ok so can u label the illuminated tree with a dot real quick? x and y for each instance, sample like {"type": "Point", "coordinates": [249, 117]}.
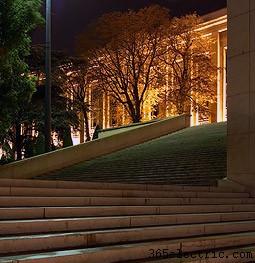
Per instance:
{"type": "Point", "coordinates": [78, 87]}
{"type": "Point", "coordinates": [190, 72]}
{"type": "Point", "coordinates": [124, 51]}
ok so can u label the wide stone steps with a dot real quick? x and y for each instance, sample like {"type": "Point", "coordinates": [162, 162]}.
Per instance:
{"type": "Point", "coordinates": [117, 236]}
{"type": "Point", "coordinates": [58, 222]}
{"type": "Point", "coordinates": [29, 191]}
{"type": "Point", "coordinates": [115, 201]}
{"type": "Point", "coordinates": [39, 226]}
{"type": "Point", "coordinates": [151, 251]}
{"type": "Point", "coordinates": [46, 184]}
{"type": "Point", "coordinates": [86, 211]}
{"type": "Point", "coordinates": [192, 156]}
{"type": "Point", "coordinates": [15, 191]}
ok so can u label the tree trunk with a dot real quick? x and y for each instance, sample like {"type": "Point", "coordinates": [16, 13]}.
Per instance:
{"type": "Point", "coordinates": [86, 119]}
{"type": "Point", "coordinates": [136, 118]}
{"type": "Point", "coordinates": [181, 104]}
{"type": "Point", "coordinates": [180, 109]}
{"type": "Point", "coordinates": [18, 144]}
{"type": "Point", "coordinates": [81, 127]}
{"type": "Point", "coordinates": [136, 113]}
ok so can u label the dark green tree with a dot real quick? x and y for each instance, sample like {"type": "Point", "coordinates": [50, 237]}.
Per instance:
{"type": "Point", "coordinates": [39, 145]}
{"type": "Point", "coordinates": [29, 147]}
{"type": "Point", "coordinates": [64, 112]}
{"type": "Point", "coordinates": [8, 155]}
{"type": "Point", "coordinates": [17, 19]}
{"type": "Point", "coordinates": [30, 114]}
{"type": "Point", "coordinates": [67, 139]}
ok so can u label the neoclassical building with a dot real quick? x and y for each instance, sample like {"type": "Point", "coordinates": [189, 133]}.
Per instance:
{"type": "Point", "coordinates": [105, 108]}
{"type": "Point", "coordinates": [216, 25]}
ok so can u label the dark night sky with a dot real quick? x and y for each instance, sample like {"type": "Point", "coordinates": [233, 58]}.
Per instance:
{"type": "Point", "coordinates": [70, 17]}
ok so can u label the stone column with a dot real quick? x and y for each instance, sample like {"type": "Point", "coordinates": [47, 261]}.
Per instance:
{"type": "Point", "coordinates": [241, 92]}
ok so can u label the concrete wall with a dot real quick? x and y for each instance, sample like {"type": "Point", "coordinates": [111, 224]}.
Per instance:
{"type": "Point", "coordinates": [65, 157]}
{"type": "Point", "coordinates": [112, 131]}
{"type": "Point", "coordinates": [241, 92]}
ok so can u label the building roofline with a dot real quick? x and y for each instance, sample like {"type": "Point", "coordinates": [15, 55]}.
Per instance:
{"type": "Point", "coordinates": [218, 17]}
{"type": "Point", "coordinates": [214, 15]}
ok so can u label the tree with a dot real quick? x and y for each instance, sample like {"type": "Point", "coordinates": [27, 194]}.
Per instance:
{"type": "Point", "coordinates": [79, 85]}
{"type": "Point", "coordinates": [124, 50]}
{"type": "Point", "coordinates": [30, 114]}
{"type": "Point", "coordinates": [188, 63]}
{"type": "Point", "coordinates": [17, 18]}
{"type": "Point", "coordinates": [40, 144]}
{"type": "Point", "coordinates": [8, 155]}
{"type": "Point", "coordinates": [67, 139]}
{"type": "Point", "coordinates": [64, 113]}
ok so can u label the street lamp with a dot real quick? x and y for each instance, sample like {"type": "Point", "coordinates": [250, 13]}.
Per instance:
{"type": "Point", "coordinates": [48, 78]}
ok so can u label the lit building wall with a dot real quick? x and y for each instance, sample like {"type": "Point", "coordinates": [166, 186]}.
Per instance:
{"type": "Point", "coordinates": [216, 25]}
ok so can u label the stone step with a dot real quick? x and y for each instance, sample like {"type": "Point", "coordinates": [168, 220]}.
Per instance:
{"type": "Point", "coordinates": [104, 185]}
{"type": "Point", "coordinates": [14, 201]}
{"type": "Point", "coordinates": [19, 201]}
{"type": "Point", "coordinates": [34, 226]}
{"type": "Point", "coordinates": [32, 191]}
{"type": "Point", "coordinates": [91, 211]}
{"type": "Point", "coordinates": [84, 239]}
{"type": "Point", "coordinates": [150, 179]}
{"type": "Point", "coordinates": [144, 251]}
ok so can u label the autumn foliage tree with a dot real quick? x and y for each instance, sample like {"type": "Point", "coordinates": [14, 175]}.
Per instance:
{"type": "Point", "coordinates": [124, 51]}
{"type": "Point", "coordinates": [188, 63]}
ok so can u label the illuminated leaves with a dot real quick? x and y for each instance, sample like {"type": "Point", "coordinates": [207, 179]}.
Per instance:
{"type": "Point", "coordinates": [142, 57]}
{"type": "Point", "coordinates": [124, 51]}
{"type": "Point", "coordinates": [188, 57]}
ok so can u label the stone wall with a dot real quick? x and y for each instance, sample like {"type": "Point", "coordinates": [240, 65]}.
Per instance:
{"type": "Point", "coordinates": [241, 92]}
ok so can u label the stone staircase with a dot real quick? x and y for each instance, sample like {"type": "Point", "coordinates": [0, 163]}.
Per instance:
{"type": "Point", "coordinates": [192, 156]}
{"type": "Point", "coordinates": [65, 222]}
